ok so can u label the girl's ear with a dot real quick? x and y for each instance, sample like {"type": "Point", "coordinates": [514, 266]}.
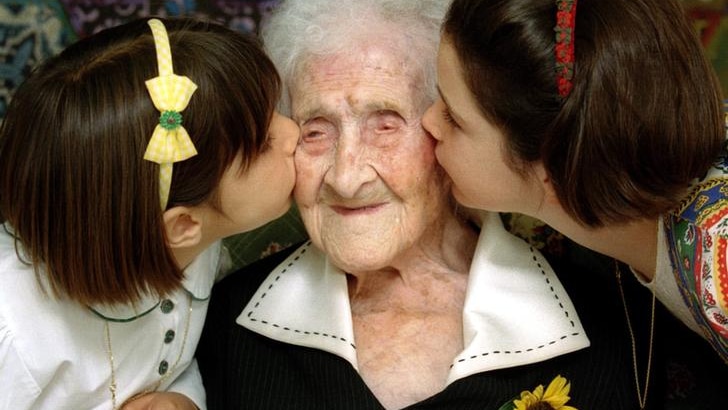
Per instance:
{"type": "Point", "coordinates": [545, 180]}
{"type": "Point", "coordinates": [184, 228]}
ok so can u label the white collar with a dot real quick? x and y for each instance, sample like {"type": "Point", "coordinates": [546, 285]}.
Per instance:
{"type": "Point", "coordinates": [199, 277]}
{"type": "Point", "coordinates": [516, 311]}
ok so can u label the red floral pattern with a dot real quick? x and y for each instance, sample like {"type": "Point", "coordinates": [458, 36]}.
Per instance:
{"type": "Point", "coordinates": [564, 50]}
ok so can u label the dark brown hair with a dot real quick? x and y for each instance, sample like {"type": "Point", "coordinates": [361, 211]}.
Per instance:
{"type": "Point", "coordinates": [75, 189]}
{"type": "Point", "coordinates": [644, 117]}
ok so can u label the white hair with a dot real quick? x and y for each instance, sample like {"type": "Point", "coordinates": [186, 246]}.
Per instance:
{"type": "Point", "coordinates": [297, 31]}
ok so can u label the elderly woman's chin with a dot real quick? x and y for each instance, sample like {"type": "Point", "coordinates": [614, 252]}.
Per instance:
{"type": "Point", "coordinates": [367, 240]}
{"type": "Point", "coordinates": [368, 257]}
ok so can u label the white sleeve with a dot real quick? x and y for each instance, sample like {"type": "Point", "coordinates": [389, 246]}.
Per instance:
{"type": "Point", "coordinates": [664, 284]}
{"type": "Point", "coordinates": [18, 389]}
{"type": "Point", "coordinates": [190, 384]}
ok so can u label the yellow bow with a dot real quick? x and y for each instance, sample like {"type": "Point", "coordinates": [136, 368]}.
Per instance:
{"type": "Point", "coordinates": [170, 94]}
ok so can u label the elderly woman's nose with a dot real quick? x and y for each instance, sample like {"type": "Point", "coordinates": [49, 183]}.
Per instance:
{"type": "Point", "coordinates": [352, 167]}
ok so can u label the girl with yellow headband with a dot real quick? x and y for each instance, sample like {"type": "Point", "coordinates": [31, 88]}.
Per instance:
{"type": "Point", "coordinates": [123, 163]}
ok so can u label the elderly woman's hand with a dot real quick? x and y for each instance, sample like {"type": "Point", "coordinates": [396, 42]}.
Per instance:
{"type": "Point", "coordinates": [160, 401]}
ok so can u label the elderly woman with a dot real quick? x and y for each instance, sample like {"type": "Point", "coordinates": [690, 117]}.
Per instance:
{"type": "Point", "coordinates": [397, 300]}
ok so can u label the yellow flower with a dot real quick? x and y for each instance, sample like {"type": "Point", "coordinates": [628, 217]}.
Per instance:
{"type": "Point", "coordinates": [554, 398]}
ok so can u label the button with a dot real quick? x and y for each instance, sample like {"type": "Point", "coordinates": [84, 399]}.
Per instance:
{"type": "Point", "coordinates": [163, 366]}
{"type": "Point", "coordinates": [169, 336]}
{"type": "Point", "coordinates": [167, 306]}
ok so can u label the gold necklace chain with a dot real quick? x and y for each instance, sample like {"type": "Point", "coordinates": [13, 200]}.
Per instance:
{"type": "Point", "coordinates": [110, 352]}
{"type": "Point", "coordinates": [642, 399]}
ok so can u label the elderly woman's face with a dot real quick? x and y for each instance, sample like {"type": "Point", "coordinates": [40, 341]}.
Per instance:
{"type": "Point", "coordinates": [368, 184]}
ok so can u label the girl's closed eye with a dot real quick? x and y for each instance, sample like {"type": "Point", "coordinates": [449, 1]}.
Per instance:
{"type": "Point", "coordinates": [267, 145]}
{"type": "Point", "coordinates": [449, 118]}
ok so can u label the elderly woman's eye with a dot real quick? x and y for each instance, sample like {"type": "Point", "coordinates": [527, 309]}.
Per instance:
{"type": "Point", "coordinates": [315, 130]}
{"type": "Point", "coordinates": [311, 135]}
{"type": "Point", "coordinates": [385, 121]}
{"type": "Point", "coordinates": [318, 136]}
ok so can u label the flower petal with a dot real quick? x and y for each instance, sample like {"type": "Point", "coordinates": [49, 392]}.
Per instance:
{"type": "Point", "coordinates": [558, 386]}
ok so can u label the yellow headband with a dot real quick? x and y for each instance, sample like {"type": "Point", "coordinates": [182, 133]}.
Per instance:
{"type": "Point", "coordinates": [170, 94]}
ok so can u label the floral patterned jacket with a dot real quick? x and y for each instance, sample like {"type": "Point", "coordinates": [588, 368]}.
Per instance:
{"type": "Point", "coordinates": [697, 233]}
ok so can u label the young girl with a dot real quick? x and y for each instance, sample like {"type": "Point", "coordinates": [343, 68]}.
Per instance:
{"type": "Point", "coordinates": [103, 291]}
{"type": "Point", "coordinates": [604, 120]}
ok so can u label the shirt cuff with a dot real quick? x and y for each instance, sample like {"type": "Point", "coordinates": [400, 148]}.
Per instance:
{"type": "Point", "coordinates": [190, 384]}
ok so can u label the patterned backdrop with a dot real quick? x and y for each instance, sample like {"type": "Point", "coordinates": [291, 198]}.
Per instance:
{"type": "Point", "coordinates": [31, 30]}
{"type": "Point", "coordinates": [35, 29]}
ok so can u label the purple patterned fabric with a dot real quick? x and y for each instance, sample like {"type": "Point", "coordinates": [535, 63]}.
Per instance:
{"type": "Point", "coordinates": [87, 17]}
{"type": "Point", "coordinates": [33, 30]}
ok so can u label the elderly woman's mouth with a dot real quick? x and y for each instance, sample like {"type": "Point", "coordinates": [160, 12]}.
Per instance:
{"type": "Point", "coordinates": [348, 210]}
